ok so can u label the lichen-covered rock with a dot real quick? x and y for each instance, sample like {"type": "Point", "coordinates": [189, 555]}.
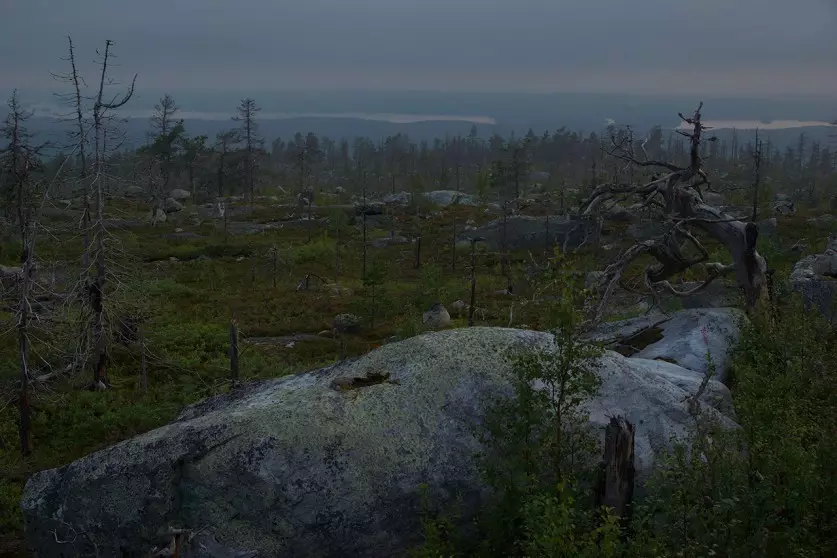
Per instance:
{"type": "Point", "coordinates": [815, 277]}
{"type": "Point", "coordinates": [331, 462]}
{"type": "Point", "coordinates": [347, 323]}
{"type": "Point", "coordinates": [436, 317]}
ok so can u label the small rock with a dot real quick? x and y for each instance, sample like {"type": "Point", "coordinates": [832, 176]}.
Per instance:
{"type": "Point", "coordinates": [173, 206]}
{"type": "Point", "coordinates": [178, 230]}
{"type": "Point", "coordinates": [133, 192]}
{"type": "Point", "coordinates": [458, 307]}
{"type": "Point", "coordinates": [347, 323]}
{"type": "Point", "coordinates": [784, 207]}
{"type": "Point", "coordinates": [179, 194]}
{"type": "Point", "coordinates": [436, 317]}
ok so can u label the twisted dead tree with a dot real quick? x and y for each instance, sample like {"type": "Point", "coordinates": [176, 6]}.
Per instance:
{"type": "Point", "coordinates": [674, 197]}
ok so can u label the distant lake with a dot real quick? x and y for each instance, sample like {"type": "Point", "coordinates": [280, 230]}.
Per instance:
{"type": "Point", "coordinates": [755, 124]}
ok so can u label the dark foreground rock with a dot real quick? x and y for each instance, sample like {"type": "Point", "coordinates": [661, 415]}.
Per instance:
{"type": "Point", "coordinates": [331, 462]}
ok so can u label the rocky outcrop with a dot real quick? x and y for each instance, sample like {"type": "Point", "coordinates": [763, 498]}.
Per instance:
{"type": "Point", "coordinates": [815, 278]}
{"type": "Point", "coordinates": [331, 462]}
{"type": "Point", "coordinates": [694, 339]}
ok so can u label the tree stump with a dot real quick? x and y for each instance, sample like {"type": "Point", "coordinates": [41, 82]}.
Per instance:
{"type": "Point", "coordinates": [616, 483]}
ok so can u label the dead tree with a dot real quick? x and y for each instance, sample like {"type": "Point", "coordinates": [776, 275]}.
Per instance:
{"type": "Point", "coordinates": [757, 154]}
{"type": "Point", "coordinates": [78, 138]}
{"type": "Point", "coordinates": [234, 372]}
{"type": "Point", "coordinates": [249, 134]}
{"type": "Point", "coordinates": [676, 200]}
{"type": "Point", "coordinates": [473, 302]}
{"type": "Point", "coordinates": [96, 288]}
{"type": "Point", "coordinates": [169, 132]}
{"type": "Point", "coordinates": [18, 161]}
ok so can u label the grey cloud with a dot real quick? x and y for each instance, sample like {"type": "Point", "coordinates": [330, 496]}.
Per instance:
{"type": "Point", "coordinates": [741, 45]}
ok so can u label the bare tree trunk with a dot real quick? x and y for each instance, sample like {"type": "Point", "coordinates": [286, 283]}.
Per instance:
{"type": "Point", "coordinates": [757, 181]}
{"type": "Point", "coordinates": [417, 265]}
{"type": "Point", "coordinates": [234, 354]}
{"type": "Point", "coordinates": [23, 339]}
{"type": "Point", "coordinates": [97, 294]}
{"type": "Point", "coordinates": [275, 265]}
{"type": "Point", "coordinates": [473, 283]}
{"type": "Point", "coordinates": [143, 366]}
{"type": "Point", "coordinates": [337, 252]}
{"type": "Point", "coordinates": [616, 484]}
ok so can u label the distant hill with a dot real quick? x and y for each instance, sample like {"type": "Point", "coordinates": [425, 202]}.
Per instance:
{"type": "Point", "coordinates": [512, 112]}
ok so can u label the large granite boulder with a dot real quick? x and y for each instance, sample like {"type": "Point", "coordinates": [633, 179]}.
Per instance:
{"type": "Point", "coordinates": [332, 462]}
{"type": "Point", "coordinates": [815, 277]}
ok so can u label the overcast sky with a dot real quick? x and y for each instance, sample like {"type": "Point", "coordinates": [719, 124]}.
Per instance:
{"type": "Point", "coordinates": [658, 46]}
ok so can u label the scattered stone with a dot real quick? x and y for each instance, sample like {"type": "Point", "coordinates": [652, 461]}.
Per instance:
{"type": "Point", "coordinates": [173, 206]}
{"type": "Point", "coordinates": [180, 195]}
{"type": "Point", "coordinates": [347, 323]}
{"type": "Point", "coordinates": [459, 307]}
{"type": "Point", "coordinates": [445, 198]}
{"type": "Point", "coordinates": [436, 317]}
{"type": "Point", "coordinates": [369, 208]}
{"type": "Point", "coordinates": [784, 207]}
{"type": "Point", "coordinates": [390, 241]}
{"type": "Point", "coordinates": [401, 198]}
{"type": "Point", "coordinates": [134, 192]}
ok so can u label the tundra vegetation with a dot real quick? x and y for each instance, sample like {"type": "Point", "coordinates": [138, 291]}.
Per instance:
{"type": "Point", "coordinates": [137, 281]}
